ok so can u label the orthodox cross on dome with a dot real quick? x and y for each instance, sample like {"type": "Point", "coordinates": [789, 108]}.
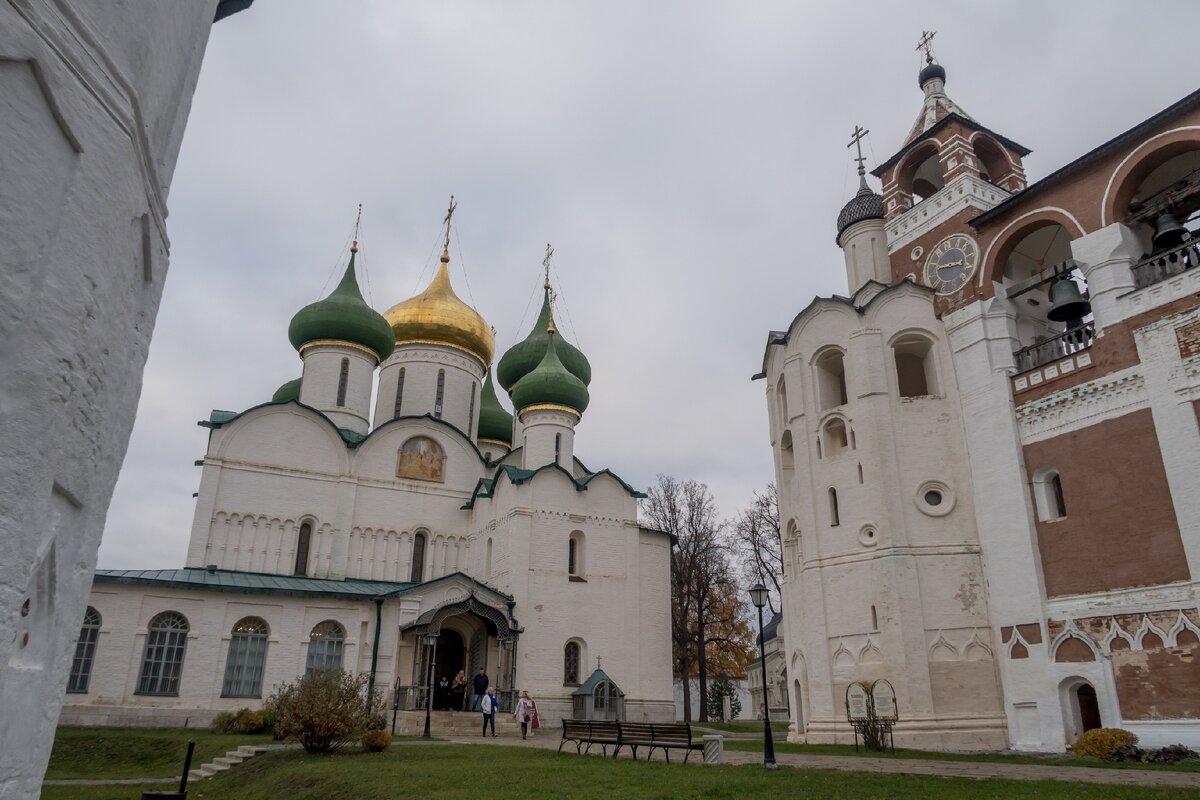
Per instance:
{"type": "Point", "coordinates": [446, 222]}
{"type": "Point", "coordinates": [926, 44]}
{"type": "Point", "coordinates": [357, 222]}
{"type": "Point", "coordinates": [856, 142]}
{"type": "Point", "coordinates": [546, 264]}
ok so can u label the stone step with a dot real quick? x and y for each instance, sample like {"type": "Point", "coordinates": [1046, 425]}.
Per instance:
{"type": "Point", "coordinates": [199, 774]}
{"type": "Point", "coordinates": [229, 760]}
{"type": "Point", "coordinates": [215, 767]}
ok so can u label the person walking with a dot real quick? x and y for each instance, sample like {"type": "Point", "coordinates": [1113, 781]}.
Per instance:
{"type": "Point", "coordinates": [479, 686]}
{"type": "Point", "coordinates": [526, 713]}
{"type": "Point", "coordinates": [488, 706]}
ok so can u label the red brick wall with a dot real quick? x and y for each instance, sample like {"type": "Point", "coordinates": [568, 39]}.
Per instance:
{"type": "Point", "coordinates": [1120, 530]}
{"type": "Point", "coordinates": [1160, 683]}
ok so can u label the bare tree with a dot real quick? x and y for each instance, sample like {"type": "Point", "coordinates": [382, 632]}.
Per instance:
{"type": "Point", "coordinates": [758, 543]}
{"type": "Point", "coordinates": [702, 580]}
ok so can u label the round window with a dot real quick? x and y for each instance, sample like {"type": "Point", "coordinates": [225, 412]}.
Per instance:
{"type": "Point", "coordinates": [868, 536]}
{"type": "Point", "coordinates": [934, 498]}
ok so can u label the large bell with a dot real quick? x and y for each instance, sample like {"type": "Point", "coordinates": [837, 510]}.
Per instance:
{"type": "Point", "coordinates": [1168, 231]}
{"type": "Point", "coordinates": [1066, 303]}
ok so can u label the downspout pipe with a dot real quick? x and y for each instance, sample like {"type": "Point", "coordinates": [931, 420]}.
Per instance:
{"type": "Point", "coordinates": [374, 654]}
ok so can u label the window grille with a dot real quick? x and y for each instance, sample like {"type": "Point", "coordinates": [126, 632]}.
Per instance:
{"type": "Point", "coordinates": [162, 661]}
{"type": "Point", "coordinates": [247, 657]}
{"type": "Point", "coordinates": [418, 558]}
{"type": "Point", "coordinates": [399, 393]}
{"type": "Point", "coordinates": [85, 653]}
{"type": "Point", "coordinates": [571, 663]}
{"type": "Point", "coordinates": [302, 544]}
{"type": "Point", "coordinates": [325, 644]}
{"type": "Point", "coordinates": [441, 390]}
{"type": "Point", "coordinates": [343, 380]}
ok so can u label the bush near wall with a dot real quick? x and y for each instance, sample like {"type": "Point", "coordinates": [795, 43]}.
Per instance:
{"type": "Point", "coordinates": [244, 721]}
{"type": "Point", "coordinates": [1103, 742]}
{"type": "Point", "coordinates": [323, 710]}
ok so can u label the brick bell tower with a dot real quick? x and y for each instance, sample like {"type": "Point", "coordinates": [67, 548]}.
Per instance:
{"type": "Point", "coordinates": [949, 169]}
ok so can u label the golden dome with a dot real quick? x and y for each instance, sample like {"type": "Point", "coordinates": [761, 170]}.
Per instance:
{"type": "Point", "coordinates": [437, 316]}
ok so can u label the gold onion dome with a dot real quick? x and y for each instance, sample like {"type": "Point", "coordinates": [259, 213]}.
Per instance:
{"type": "Point", "coordinates": [437, 316]}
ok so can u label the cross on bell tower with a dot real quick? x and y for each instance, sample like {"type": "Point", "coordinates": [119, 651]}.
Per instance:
{"type": "Point", "coordinates": [926, 44]}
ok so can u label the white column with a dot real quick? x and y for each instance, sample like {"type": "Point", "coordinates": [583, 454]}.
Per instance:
{"type": "Point", "coordinates": [1105, 257]}
{"type": "Point", "coordinates": [549, 432]}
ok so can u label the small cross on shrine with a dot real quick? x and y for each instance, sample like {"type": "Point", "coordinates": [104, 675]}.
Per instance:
{"type": "Point", "coordinates": [926, 44]}
{"type": "Point", "coordinates": [856, 142]}
{"type": "Point", "coordinates": [597, 662]}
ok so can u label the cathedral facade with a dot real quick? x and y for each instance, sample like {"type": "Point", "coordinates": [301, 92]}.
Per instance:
{"type": "Point", "coordinates": [438, 534]}
{"type": "Point", "coordinates": [987, 453]}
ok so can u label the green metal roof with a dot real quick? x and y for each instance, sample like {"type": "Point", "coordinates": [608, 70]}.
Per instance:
{"type": "Point", "coordinates": [550, 382]}
{"type": "Point", "coordinates": [223, 580]}
{"type": "Point", "coordinates": [343, 315]}
{"type": "Point", "coordinates": [523, 357]}
{"type": "Point", "coordinates": [486, 487]}
{"type": "Point", "coordinates": [494, 421]}
{"type": "Point", "coordinates": [289, 391]}
{"type": "Point", "coordinates": [595, 678]}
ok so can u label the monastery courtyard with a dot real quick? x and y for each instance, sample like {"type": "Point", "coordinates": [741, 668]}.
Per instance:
{"type": "Point", "coordinates": [110, 763]}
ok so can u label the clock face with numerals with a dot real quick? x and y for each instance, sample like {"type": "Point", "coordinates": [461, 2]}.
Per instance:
{"type": "Point", "coordinates": [951, 263]}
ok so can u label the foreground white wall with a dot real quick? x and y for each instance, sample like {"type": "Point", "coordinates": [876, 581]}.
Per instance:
{"type": "Point", "coordinates": [93, 103]}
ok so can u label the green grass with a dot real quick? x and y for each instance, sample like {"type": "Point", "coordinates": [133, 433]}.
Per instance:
{"type": "Point", "coordinates": [1060, 760]}
{"type": "Point", "coordinates": [511, 773]}
{"type": "Point", "coordinates": [135, 752]}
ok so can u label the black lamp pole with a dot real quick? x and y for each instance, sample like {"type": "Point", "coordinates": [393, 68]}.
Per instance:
{"type": "Point", "coordinates": [758, 596]}
{"type": "Point", "coordinates": [431, 642]}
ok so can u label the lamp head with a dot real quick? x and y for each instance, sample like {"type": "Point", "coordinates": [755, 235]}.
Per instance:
{"type": "Point", "coordinates": [758, 595]}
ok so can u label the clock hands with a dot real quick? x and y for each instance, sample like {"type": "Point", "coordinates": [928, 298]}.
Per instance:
{"type": "Point", "coordinates": [959, 263]}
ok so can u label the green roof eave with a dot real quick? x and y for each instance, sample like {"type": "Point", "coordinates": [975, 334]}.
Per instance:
{"type": "Point", "coordinates": [589, 686]}
{"type": "Point", "coordinates": [251, 583]}
{"type": "Point", "coordinates": [517, 476]}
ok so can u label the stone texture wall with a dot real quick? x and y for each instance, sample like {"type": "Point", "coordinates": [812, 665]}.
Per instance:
{"type": "Point", "coordinates": [94, 99]}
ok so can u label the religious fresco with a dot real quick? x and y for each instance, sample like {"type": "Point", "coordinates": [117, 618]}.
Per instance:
{"type": "Point", "coordinates": [423, 459]}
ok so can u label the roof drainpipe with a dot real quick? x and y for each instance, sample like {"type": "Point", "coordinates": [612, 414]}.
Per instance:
{"type": "Point", "coordinates": [374, 654]}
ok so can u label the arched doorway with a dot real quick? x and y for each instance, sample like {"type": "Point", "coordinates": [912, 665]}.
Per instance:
{"type": "Point", "coordinates": [1087, 706]}
{"type": "Point", "coordinates": [450, 658]}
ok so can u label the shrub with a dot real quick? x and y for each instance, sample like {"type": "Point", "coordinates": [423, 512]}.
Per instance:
{"type": "Point", "coordinates": [377, 722]}
{"type": "Point", "coordinates": [1171, 754]}
{"type": "Point", "coordinates": [1103, 742]}
{"type": "Point", "coordinates": [323, 710]}
{"type": "Point", "coordinates": [376, 741]}
{"type": "Point", "coordinates": [244, 721]}
{"type": "Point", "coordinates": [222, 723]}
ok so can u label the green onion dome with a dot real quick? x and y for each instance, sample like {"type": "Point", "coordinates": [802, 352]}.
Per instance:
{"type": "Point", "coordinates": [525, 355]}
{"type": "Point", "coordinates": [289, 391]}
{"type": "Point", "coordinates": [550, 382]}
{"type": "Point", "coordinates": [495, 423]}
{"type": "Point", "coordinates": [343, 316]}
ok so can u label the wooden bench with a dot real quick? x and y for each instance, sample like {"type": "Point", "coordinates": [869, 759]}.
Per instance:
{"type": "Point", "coordinates": [589, 732]}
{"type": "Point", "coordinates": [664, 736]}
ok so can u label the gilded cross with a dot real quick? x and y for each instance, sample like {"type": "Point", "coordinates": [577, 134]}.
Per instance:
{"type": "Point", "coordinates": [856, 142]}
{"type": "Point", "coordinates": [446, 221]}
{"type": "Point", "coordinates": [926, 44]}
{"type": "Point", "coordinates": [357, 222]}
{"type": "Point", "coordinates": [546, 263]}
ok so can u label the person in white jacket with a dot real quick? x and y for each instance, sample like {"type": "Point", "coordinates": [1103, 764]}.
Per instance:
{"type": "Point", "coordinates": [488, 706]}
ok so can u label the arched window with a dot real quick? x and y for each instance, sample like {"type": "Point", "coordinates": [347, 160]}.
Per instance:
{"type": "Point", "coordinates": [325, 644]}
{"type": "Point", "coordinates": [399, 393]}
{"type": "Point", "coordinates": [836, 440]}
{"type": "Point", "coordinates": [834, 517]}
{"type": "Point", "coordinates": [471, 412]}
{"type": "Point", "coordinates": [915, 374]}
{"type": "Point", "coordinates": [571, 660]}
{"type": "Point", "coordinates": [343, 380]}
{"type": "Point", "coordinates": [1048, 494]}
{"type": "Point", "coordinates": [303, 541]}
{"type": "Point", "coordinates": [558, 448]}
{"type": "Point", "coordinates": [85, 653]}
{"type": "Point", "coordinates": [575, 553]}
{"type": "Point", "coordinates": [831, 379]}
{"type": "Point", "coordinates": [487, 567]}
{"type": "Point", "coordinates": [247, 657]}
{"type": "Point", "coordinates": [781, 393]}
{"type": "Point", "coordinates": [787, 453]}
{"type": "Point", "coordinates": [441, 391]}
{"type": "Point", "coordinates": [162, 661]}
{"type": "Point", "coordinates": [874, 619]}
{"type": "Point", "coordinates": [418, 559]}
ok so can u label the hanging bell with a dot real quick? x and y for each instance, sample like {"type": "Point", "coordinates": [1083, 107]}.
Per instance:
{"type": "Point", "coordinates": [1168, 232]}
{"type": "Point", "coordinates": [1066, 303]}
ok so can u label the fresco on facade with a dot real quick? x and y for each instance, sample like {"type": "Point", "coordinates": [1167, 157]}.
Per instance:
{"type": "Point", "coordinates": [423, 459]}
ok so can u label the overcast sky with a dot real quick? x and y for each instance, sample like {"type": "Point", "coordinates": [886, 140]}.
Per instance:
{"type": "Point", "coordinates": [686, 159]}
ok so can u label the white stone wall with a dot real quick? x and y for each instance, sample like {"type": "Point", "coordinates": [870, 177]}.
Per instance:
{"type": "Point", "coordinates": [94, 99]}
{"type": "Point", "coordinates": [893, 588]}
{"type": "Point", "coordinates": [322, 376]}
{"type": "Point", "coordinates": [548, 437]}
{"type": "Point", "coordinates": [463, 376]}
{"type": "Point", "coordinates": [864, 247]}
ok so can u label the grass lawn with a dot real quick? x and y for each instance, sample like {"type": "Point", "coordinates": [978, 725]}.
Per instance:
{"type": "Point", "coordinates": [511, 773]}
{"type": "Point", "coordinates": [135, 752]}
{"type": "Point", "coordinates": [1059, 760]}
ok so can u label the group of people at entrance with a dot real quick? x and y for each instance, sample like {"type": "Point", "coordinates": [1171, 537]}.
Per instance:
{"type": "Point", "coordinates": [451, 695]}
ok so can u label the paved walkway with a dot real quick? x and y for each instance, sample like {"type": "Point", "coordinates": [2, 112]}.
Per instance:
{"type": "Point", "coordinates": [978, 770]}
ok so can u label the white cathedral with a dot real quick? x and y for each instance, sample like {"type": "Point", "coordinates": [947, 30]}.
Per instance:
{"type": "Point", "coordinates": [439, 528]}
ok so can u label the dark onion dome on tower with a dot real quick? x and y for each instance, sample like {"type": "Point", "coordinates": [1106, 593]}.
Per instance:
{"type": "Point", "coordinates": [289, 391]}
{"type": "Point", "coordinates": [550, 382]}
{"type": "Point", "coordinates": [929, 72]}
{"type": "Point", "coordinates": [495, 424]}
{"type": "Point", "coordinates": [524, 356]}
{"type": "Point", "coordinates": [864, 205]}
{"type": "Point", "coordinates": [437, 316]}
{"type": "Point", "coordinates": [343, 316]}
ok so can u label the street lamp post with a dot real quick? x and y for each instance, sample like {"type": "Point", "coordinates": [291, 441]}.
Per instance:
{"type": "Point", "coordinates": [758, 596]}
{"type": "Point", "coordinates": [431, 642]}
